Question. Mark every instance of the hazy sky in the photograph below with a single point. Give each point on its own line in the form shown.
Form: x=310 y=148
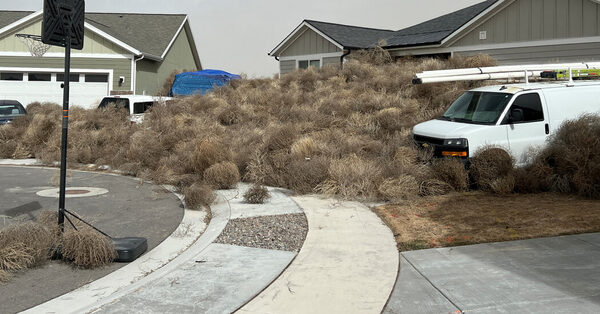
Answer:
x=236 y=35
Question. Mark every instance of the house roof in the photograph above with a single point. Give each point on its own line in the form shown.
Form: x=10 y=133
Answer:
x=429 y=32
x=9 y=17
x=437 y=29
x=149 y=34
x=351 y=36
x=135 y=29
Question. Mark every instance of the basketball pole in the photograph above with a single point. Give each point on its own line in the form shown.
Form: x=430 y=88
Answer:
x=65 y=134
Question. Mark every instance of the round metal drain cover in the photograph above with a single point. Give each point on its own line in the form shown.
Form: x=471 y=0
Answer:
x=72 y=192
x=76 y=192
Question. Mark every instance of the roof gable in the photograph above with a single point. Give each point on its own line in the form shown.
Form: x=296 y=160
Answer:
x=135 y=30
x=131 y=31
x=352 y=36
x=9 y=17
x=436 y=30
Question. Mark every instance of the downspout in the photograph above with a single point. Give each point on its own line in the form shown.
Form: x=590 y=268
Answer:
x=134 y=81
x=343 y=56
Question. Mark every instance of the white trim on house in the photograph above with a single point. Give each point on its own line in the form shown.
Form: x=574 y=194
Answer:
x=62 y=55
x=110 y=72
x=284 y=43
x=21 y=21
x=313 y=57
x=174 y=38
x=474 y=20
x=551 y=42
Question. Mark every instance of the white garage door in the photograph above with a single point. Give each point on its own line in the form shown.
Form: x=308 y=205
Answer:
x=87 y=89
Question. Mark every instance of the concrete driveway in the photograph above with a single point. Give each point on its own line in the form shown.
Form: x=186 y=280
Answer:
x=547 y=275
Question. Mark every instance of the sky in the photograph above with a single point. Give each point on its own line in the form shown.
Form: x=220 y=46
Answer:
x=237 y=35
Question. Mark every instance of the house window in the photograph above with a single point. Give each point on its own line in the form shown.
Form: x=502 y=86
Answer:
x=40 y=77
x=11 y=76
x=304 y=64
x=96 y=78
x=60 y=77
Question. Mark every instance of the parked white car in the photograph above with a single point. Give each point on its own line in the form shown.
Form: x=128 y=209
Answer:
x=516 y=117
x=136 y=105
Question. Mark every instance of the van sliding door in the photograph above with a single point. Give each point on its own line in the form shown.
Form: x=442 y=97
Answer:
x=525 y=124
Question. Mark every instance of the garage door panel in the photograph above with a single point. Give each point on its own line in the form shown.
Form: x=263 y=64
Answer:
x=86 y=95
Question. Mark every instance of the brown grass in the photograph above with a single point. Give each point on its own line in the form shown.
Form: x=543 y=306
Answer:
x=198 y=195
x=223 y=175
x=453 y=172
x=256 y=194
x=570 y=164
x=476 y=217
x=16 y=256
x=492 y=170
x=35 y=240
x=344 y=132
x=87 y=248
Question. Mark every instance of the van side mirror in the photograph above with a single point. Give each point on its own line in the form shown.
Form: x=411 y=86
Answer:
x=516 y=115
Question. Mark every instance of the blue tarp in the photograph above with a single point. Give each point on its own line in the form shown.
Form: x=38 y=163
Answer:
x=201 y=82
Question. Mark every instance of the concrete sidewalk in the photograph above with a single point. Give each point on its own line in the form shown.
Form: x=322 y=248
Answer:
x=348 y=264
x=547 y=275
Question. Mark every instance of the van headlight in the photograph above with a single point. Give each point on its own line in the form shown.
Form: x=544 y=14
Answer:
x=456 y=142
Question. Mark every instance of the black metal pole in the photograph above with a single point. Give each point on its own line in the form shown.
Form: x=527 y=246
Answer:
x=65 y=134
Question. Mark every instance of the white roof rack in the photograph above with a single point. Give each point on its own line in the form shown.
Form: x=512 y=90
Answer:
x=498 y=72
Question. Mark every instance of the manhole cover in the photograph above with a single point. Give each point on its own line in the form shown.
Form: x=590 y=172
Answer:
x=73 y=192
x=76 y=192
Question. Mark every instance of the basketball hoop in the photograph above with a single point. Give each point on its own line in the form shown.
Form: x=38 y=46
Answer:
x=34 y=43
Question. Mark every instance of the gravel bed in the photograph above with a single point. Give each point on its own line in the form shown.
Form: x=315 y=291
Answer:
x=278 y=232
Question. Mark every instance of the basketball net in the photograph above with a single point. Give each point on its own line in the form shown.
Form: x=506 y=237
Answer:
x=36 y=47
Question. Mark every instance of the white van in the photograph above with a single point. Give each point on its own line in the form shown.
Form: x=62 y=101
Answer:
x=515 y=117
x=136 y=105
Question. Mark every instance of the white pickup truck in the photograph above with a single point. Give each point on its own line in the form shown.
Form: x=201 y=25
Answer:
x=136 y=105
x=515 y=117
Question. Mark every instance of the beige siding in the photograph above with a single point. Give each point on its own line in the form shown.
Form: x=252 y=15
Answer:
x=543 y=54
x=287 y=66
x=120 y=67
x=309 y=43
x=93 y=43
x=152 y=75
x=530 y=20
x=332 y=61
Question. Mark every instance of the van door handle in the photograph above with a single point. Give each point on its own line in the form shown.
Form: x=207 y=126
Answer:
x=547 y=129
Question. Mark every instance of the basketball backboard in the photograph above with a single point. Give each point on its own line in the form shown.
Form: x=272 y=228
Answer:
x=63 y=18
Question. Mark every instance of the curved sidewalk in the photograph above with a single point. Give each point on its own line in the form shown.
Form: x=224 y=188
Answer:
x=348 y=264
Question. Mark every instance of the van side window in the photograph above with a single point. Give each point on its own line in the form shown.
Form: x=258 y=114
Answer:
x=141 y=107
x=531 y=106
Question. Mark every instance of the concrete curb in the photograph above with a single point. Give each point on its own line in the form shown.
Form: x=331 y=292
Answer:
x=187 y=233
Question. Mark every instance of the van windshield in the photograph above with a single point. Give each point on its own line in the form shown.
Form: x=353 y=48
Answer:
x=477 y=107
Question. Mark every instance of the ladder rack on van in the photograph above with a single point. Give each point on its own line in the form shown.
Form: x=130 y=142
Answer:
x=528 y=71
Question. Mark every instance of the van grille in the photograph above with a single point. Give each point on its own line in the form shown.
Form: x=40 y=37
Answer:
x=430 y=140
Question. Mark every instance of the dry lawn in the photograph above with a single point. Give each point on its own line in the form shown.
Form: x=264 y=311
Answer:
x=478 y=217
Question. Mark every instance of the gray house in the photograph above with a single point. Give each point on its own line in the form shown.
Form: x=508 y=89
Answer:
x=511 y=31
x=123 y=53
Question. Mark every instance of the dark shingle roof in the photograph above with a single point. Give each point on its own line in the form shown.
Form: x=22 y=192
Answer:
x=149 y=33
x=9 y=17
x=429 y=32
x=435 y=30
x=351 y=36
